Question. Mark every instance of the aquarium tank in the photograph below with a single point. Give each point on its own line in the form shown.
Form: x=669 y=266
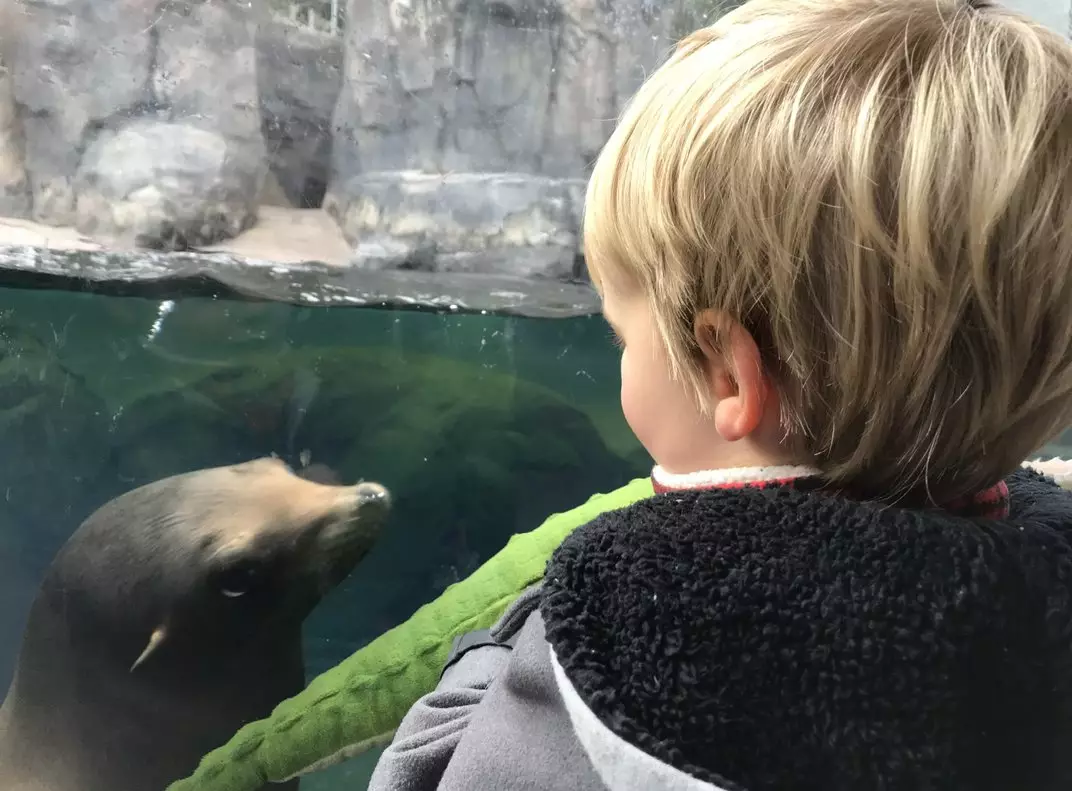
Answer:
x=341 y=233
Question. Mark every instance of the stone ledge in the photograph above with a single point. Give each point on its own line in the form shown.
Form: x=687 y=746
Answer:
x=489 y=223
x=310 y=283
x=290 y=255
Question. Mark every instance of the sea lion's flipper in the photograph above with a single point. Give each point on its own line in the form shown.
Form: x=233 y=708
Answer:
x=360 y=702
x=156 y=639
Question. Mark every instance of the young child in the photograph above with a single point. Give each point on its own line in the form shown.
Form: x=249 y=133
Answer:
x=833 y=239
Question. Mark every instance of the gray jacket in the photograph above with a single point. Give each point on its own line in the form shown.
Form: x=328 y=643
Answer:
x=445 y=743
x=765 y=639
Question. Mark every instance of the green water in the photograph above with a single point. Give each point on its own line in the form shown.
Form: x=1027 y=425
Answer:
x=480 y=425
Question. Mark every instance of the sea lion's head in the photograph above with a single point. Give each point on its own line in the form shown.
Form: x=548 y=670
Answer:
x=209 y=567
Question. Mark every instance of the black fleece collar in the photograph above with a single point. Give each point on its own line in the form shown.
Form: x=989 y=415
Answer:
x=781 y=638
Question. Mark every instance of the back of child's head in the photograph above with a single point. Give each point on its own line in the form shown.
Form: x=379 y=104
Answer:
x=880 y=192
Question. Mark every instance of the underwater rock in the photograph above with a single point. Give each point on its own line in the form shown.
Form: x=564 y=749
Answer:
x=486 y=468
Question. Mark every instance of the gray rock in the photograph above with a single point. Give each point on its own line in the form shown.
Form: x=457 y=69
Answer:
x=86 y=71
x=528 y=86
x=205 y=75
x=299 y=74
x=518 y=94
x=449 y=137
x=14 y=188
x=163 y=185
x=497 y=223
x=79 y=65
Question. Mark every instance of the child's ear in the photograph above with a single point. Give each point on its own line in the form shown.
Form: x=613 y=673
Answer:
x=737 y=387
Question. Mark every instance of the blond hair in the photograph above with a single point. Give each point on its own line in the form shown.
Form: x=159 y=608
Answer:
x=880 y=193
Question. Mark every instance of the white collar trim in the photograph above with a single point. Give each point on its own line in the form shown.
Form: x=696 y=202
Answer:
x=729 y=476
x=1058 y=468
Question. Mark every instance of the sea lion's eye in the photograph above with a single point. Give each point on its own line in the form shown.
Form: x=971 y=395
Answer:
x=237 y=580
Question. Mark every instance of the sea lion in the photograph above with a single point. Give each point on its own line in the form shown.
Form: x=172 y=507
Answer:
x=170 y=618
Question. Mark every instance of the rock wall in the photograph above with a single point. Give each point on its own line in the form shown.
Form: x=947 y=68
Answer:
x=154 y=122
x=141 y=119
x=464 y=129
x=442 y=135
x=298 y=75
x=14 y=190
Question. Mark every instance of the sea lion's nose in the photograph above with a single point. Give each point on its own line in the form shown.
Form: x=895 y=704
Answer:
x=372 y=495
